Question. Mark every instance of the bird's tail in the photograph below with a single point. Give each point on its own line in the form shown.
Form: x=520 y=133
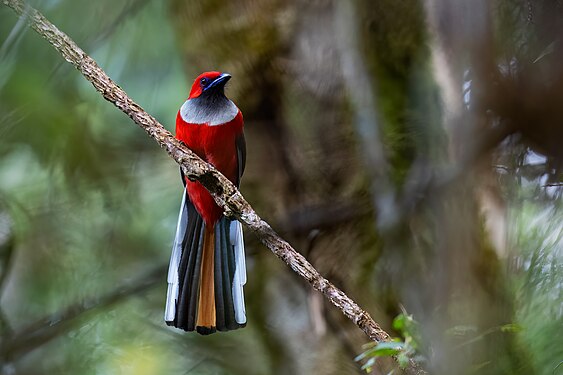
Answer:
x=206 y=274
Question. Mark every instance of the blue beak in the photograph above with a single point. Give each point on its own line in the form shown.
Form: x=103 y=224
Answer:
x=219 y=81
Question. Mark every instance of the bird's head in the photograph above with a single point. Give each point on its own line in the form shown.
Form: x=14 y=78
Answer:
x=209 y=83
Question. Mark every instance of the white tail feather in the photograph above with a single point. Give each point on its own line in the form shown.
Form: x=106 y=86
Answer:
x=241 y=258
x=173 y=285
x=236 y=239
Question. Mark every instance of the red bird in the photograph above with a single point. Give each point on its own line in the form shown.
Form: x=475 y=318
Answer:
x=207 y=267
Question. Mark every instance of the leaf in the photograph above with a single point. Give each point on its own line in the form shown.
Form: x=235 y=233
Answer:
x=361 y=356
x=369 y=345
x=367 y=366
x=386 y=349
x=399 y=323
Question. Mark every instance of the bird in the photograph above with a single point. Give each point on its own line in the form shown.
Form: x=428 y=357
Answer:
x=207 y=268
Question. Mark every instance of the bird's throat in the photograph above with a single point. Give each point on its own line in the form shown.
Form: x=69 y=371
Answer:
x=210 y=110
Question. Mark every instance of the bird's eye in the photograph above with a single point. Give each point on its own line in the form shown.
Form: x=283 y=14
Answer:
x=204 y=81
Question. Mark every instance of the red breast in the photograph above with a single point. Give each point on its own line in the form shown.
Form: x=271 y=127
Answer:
x=209 y=123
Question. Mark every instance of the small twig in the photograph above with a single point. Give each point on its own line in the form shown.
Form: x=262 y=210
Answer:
x=52 y=326
x=8 y=249
x=224 y=192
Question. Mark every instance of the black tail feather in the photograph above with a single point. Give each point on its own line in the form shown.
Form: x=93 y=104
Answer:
x=189 y=271
x=225 y=262
x=189 y=274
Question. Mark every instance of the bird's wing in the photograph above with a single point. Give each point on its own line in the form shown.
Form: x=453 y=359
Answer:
x=240 y=144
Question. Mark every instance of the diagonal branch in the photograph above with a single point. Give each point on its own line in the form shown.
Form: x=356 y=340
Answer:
x=48 y=328
x=223 y=191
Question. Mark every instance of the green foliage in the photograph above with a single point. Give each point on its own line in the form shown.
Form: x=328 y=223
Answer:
x=538 y=286
x=404 y=348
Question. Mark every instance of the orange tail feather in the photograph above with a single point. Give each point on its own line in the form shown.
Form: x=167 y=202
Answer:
x=206 y=308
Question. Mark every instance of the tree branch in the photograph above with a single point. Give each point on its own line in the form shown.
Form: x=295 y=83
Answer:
x=7 y=252
x=50 y=327
x=223 y=191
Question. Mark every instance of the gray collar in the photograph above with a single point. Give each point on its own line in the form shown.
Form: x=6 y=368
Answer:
x=209 y=110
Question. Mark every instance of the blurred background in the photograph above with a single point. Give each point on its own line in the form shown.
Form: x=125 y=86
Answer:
x=412 y=151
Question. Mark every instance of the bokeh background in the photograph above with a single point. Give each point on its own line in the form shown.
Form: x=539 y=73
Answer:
x=411 y=150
